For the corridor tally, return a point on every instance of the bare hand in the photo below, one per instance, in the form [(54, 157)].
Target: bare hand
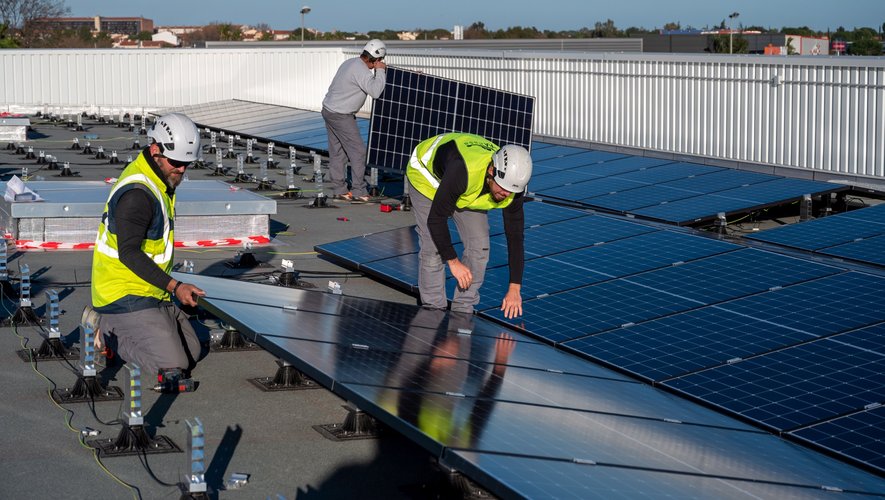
[(461, 273), (512, 303), (188, 294)]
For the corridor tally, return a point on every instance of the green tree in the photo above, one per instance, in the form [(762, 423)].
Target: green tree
[(144, 36), (383, 35), (476, 31), (799, 31), (606, 30), (229, 33), (736, 44), (866, 47), (7, 41), (19, 16)]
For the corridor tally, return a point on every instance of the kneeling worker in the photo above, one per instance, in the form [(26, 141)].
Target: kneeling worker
[(463, 176), (131, 285)]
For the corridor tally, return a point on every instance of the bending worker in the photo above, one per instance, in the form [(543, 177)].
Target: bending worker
[(463, 176), (131, 284), (356, 78)]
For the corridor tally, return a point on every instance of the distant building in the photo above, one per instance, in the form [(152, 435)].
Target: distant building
[(166, 37), (459, 32), (407, 35), (757, 43), (121, 25), (179, 30)]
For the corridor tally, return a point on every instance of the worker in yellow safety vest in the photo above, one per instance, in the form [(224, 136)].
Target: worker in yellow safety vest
[(463, 176)]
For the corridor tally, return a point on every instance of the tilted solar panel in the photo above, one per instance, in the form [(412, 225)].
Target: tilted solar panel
[(416, 106)]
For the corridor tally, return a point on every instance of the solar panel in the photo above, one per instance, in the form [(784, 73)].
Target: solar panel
[(593, 309), (740, 199), (668, 172), (871, 250), (820, 233), (273, 123), (799, 386), (857, 436), (584, 158), (643, 196), (684, 343), (589, 188), (415, 106), (731, 275), (557, 178), (372, 247), (819, 307), (557, 237), (611, 260), (470, 398), (556, 151), (875, 213), (719, 181)]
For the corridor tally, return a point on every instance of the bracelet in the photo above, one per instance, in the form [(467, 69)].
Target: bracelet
[(175, 288)]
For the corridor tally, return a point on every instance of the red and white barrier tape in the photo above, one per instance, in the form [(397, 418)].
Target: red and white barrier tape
[(224, 242)]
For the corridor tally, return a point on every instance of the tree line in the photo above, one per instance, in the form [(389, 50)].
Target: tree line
[(17, 29)]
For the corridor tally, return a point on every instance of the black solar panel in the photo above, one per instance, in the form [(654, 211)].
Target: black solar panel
[(819, 233), (871, 250), (416, 106)]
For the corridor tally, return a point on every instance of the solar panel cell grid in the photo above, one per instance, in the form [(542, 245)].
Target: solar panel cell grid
[(796, 387), (858, 436), (416, 106)]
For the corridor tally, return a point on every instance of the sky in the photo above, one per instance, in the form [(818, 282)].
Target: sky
[(557, 15)]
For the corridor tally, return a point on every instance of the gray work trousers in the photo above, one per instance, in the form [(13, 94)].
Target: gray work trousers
[(473, 228), (345, 143), (154, 338)]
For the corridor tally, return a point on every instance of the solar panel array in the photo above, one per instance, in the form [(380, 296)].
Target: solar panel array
[(690, 313), (659, 189), (858, 235), (416, 106), (517, 415), (284, 126)]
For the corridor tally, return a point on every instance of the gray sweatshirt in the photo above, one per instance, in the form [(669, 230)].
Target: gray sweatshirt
[(351, 84)]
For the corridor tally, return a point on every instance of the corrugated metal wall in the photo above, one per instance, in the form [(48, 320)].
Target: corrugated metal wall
[(821, 114)]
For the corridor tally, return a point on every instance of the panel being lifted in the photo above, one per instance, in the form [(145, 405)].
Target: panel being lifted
[(68, 217), (416, 106), (520, 417)]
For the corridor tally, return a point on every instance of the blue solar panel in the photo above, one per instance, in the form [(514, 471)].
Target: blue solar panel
[(599, 263), (732, 275), (820, 307), (719, 181), (668, 172), (576, 233), (415, 106), (584, 158), (744, 198), (686, 342), (858, 436), (593, 309), (871, 250), (401, 270), (623, 165), (819, 233), (536, 214), (874, 213), (588, 188), (374, 246), (798, 386), (557, 178), (555, 151), (633, 199)]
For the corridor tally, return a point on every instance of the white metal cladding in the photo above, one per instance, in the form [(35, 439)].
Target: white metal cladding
[(823, 114)]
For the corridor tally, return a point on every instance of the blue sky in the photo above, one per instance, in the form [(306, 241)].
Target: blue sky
[(365, 15)]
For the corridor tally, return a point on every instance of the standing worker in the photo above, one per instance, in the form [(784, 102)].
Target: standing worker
[(356, 78), (463, 176), (131, 285)]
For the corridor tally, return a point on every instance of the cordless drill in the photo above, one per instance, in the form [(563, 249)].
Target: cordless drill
[(173, 381)]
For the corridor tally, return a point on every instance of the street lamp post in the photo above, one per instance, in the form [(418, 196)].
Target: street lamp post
[(304, 10), (730, 32)]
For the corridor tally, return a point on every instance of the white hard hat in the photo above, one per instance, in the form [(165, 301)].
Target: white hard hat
[(375, 48), (177, 135), (513, 168)]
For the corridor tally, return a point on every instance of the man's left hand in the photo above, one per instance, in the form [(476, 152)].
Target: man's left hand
[(512, 304)]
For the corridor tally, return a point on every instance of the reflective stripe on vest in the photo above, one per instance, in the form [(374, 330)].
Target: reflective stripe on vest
[(101, 241)]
